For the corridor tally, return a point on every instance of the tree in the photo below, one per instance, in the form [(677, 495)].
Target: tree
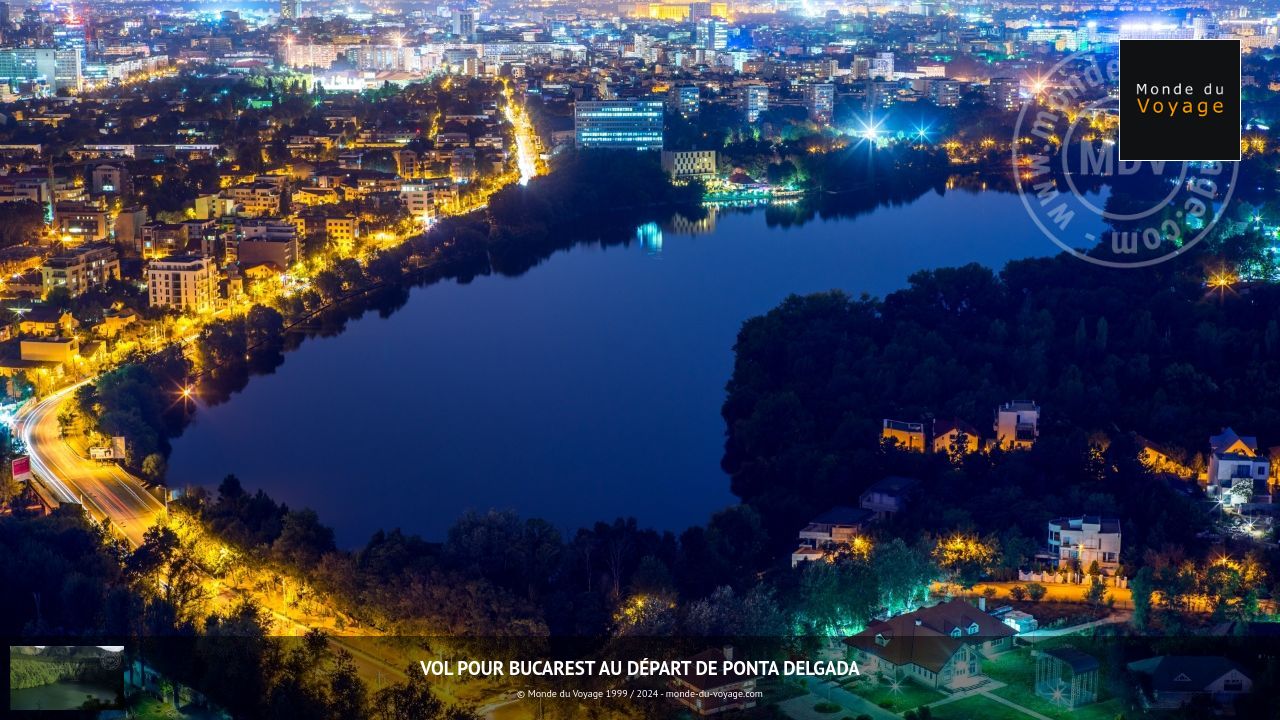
[(154, 467), (412, 699), (903, 575), (20, 222), (303, 540), (348, 695), (837, 598), (1141, 587), (1036, 591), (1097, 593), (9, 488), (966, 557), (1018, 592)]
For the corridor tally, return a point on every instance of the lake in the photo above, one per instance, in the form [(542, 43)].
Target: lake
[(586, 389), (59, 696)]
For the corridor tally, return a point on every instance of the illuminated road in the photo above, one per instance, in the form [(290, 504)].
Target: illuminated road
[(122, 503), (526, 140), (111, 495), (119, 500)]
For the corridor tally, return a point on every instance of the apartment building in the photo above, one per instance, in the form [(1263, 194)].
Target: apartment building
[(183, 282)]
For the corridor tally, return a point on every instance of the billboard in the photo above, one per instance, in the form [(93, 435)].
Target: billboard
[(21, 467)]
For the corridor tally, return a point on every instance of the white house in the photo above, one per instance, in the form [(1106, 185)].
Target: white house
[(1236, 469), (1017, 425), (1087, 539)]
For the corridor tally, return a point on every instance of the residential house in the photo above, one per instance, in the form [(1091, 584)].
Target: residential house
[(1017, 425), (714, 693), (47, 321), (49, 350), (955, 435), (114, 322), (888, 495), (1085, 540), (1171, 681), (940, 647), (1238, 473), (907, 435), (313, 196), (1160, 459), (837, 527)]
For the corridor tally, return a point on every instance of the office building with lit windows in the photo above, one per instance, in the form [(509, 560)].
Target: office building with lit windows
[(618, 124)]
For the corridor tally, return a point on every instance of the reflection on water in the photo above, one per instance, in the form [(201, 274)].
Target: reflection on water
[(650, 237), (588, 387)]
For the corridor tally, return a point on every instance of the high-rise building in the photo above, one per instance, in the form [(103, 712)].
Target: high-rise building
[(29, 66), (755, 100), (618, 124), (1003, 92), (820, 101), (69, 69), (684, 99), (944, 92), (700, 10), (290, 9), (464, 24), (882, 65), (712, 34)]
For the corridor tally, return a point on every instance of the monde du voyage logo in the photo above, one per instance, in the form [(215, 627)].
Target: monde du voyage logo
[(1180, 100), (1160, 115)]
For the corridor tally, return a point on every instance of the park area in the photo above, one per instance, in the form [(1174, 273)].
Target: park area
[(897, 696)]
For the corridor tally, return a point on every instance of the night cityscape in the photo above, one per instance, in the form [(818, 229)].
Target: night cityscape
[(765, 359)]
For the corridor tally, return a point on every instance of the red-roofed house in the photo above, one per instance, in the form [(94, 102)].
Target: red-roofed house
[(940, 647)]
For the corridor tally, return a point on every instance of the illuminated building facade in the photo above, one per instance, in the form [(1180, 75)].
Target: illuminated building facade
[(618, 124)]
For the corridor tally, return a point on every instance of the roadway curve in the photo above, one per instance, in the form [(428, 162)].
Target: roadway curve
[(111, 495), (122, 502)]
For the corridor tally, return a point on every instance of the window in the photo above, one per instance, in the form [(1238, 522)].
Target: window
[(955, 632), (973, 629), (1233, 685)]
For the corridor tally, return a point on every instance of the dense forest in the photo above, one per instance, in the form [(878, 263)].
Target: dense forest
[(1106, 354), (32, 667)]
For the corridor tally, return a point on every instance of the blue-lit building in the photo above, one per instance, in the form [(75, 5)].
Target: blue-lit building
[(684, 99), (618, 124)]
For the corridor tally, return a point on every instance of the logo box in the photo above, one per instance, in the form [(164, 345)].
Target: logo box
[(1180, 100)]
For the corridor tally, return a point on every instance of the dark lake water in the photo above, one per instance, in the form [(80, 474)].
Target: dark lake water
[(59, 696), (588, 388)]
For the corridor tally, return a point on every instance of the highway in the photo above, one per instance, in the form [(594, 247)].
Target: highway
[(122, 503), (111, 495)]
